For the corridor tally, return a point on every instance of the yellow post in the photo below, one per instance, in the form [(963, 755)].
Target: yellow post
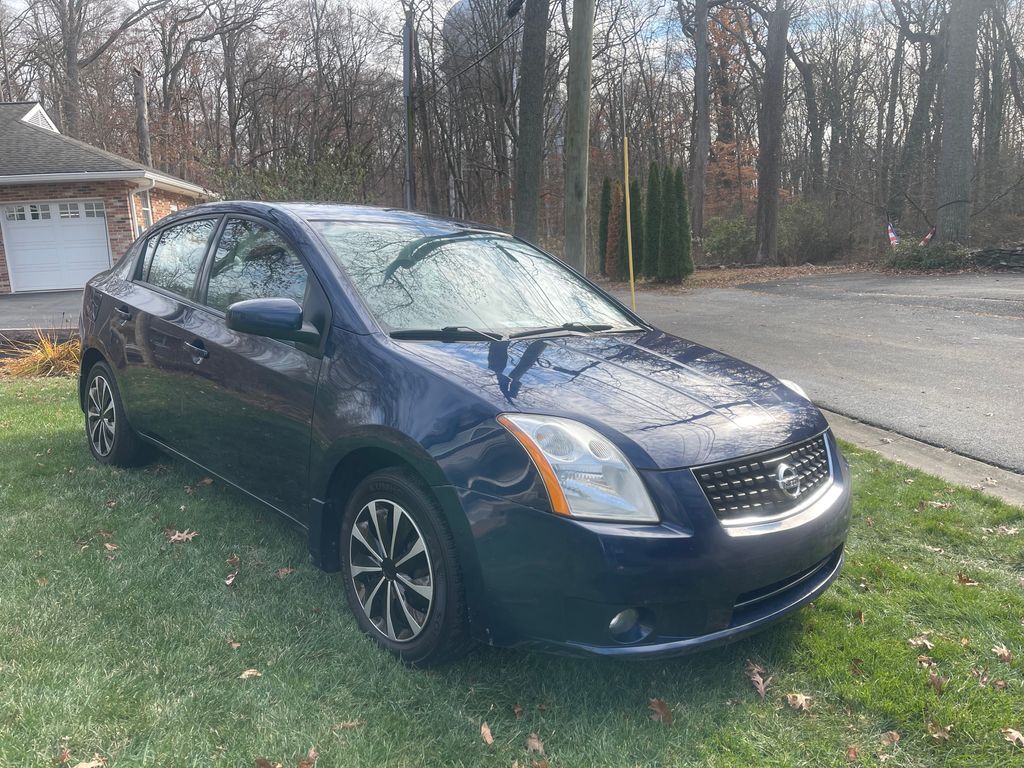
[(629, 224)]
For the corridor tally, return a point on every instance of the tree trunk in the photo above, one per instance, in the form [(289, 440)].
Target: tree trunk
[(530, 145), (769, 134), (142, 116), (72, 97), (701, 119), (956, 167), (577, 133)]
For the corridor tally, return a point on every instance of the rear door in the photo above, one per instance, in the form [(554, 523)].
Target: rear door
[(153, 319), (254, 400)]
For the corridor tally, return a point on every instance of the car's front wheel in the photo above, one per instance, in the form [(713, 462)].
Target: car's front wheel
[(402, 579), (111, 438)]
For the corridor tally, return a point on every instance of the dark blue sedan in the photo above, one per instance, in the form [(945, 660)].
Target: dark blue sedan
[(484, 443)]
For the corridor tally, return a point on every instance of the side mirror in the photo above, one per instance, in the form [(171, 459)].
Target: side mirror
[(273, 318)]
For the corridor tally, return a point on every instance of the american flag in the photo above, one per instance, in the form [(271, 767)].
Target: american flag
[(928, 238), (894, 239)]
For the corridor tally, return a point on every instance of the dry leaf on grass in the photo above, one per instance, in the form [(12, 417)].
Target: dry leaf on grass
[(233, 560), (250, 673), (534, 744), (542, 763), (799, 701), (110, 546), (262, 762), (1013, 736), (231, 578), (981, 675), (852, 753), (110, 504), (1002, 653), (967, 581), (234, 645), (485, 733), (205, 481), (517, 710), (939, 732), (98, 761), (755, 673), (63, 757), (925, 661), (999, 685), (282, 572), (660, 711), (348, 725), (176, 537), (921, 641), (936, 682), (889, 738), (310, 759), (42, 581)]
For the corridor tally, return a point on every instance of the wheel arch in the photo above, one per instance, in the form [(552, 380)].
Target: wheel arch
[(90, 357)]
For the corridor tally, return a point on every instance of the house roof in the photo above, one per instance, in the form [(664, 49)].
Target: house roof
[(32, 151)]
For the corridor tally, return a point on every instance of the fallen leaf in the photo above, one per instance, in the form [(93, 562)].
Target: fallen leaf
[(205, 481), (967, 581), (63, 757), (1013, 736), (964, 642), (936, 682), (249, 673), (1002, 653), (799, 701), (534, 744), (860, 615), (981, 675), (855, 667), (852, 753), (934, 505), (939, 732), (262, 762), (542, 763), (110, 504), (98, 761), (921, 641), (925, 661), (660, 711), (234, 645), (282, 572), (517, 710), (485, 733), (110, 546), (755, 672), (999, 685), (889, 738), (348, 725), (233, 560), (176, 537), (310, 759), (105, 534), (42, 581), (231, 578)]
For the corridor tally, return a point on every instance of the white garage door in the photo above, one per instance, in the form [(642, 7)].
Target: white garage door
[(55, 245)]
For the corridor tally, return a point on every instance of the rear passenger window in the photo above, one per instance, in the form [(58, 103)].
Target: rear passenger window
[(174, 261), (253, 262)]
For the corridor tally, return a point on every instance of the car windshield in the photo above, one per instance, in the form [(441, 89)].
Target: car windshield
[(417, 278)]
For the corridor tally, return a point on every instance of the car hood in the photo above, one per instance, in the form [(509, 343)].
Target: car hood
[(667, 402)]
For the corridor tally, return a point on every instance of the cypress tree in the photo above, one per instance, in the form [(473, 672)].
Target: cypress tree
[(668, 249), (615, 235), (602, 225), (685, 237), (623, 262), (636, 214), (652, 233)]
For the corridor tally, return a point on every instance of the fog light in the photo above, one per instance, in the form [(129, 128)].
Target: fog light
[(623, 622)]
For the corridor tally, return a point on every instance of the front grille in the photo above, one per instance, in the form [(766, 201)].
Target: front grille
[(750, 488)]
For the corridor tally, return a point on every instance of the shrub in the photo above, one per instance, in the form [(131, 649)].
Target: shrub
[(943, 257), (44, 356), (809, 233), (652, 224), (728, 240), (602, 223), (685, 235), (668, 250)]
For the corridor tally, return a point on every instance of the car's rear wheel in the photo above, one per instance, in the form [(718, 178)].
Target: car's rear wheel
[(111, 438), (401, 574)]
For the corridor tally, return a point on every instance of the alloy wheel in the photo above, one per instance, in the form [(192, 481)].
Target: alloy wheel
[(101, 416), (391, 570)]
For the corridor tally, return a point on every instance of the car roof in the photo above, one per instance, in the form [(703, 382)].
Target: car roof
[(343, 212)]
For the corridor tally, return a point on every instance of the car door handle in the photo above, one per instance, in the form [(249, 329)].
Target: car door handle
[(198, 350), (123, 314)]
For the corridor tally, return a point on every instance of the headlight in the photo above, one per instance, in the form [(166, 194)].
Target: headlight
[(586, 476), (795, 387)]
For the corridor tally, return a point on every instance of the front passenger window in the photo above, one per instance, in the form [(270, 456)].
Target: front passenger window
[(253, 262)]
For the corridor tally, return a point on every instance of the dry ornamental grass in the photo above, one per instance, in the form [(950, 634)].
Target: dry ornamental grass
[(43, 356)]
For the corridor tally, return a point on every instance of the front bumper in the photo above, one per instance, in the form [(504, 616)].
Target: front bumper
[(554, 582)]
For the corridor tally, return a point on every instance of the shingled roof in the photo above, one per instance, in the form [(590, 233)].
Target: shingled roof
[(30, 146)]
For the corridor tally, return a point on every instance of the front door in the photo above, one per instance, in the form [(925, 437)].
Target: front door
[(254, 396)]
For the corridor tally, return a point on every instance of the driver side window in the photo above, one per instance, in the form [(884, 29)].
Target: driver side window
[(252, 261)]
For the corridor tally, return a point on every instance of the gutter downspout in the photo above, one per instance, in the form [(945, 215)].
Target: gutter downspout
[(142, 185)]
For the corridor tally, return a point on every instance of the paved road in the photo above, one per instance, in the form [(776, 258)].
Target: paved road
[(52, 309), (940, 359)]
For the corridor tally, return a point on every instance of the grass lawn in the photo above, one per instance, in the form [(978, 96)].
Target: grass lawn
[(116, 642)]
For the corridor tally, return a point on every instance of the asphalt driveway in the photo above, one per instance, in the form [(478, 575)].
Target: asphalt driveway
[(50, 309), (940, 359)]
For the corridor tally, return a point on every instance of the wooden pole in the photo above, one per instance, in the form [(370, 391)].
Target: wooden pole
[(410, 113)]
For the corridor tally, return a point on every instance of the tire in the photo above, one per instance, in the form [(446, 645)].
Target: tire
[(110, 437), (383, 566)]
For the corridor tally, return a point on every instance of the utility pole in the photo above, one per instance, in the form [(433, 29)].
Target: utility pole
[(577, 133), (410, 111)]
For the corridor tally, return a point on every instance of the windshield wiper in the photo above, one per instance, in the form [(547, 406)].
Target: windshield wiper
[(581, 327), (448, 333)]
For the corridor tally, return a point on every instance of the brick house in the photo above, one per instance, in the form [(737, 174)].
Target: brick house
[(67, 209)]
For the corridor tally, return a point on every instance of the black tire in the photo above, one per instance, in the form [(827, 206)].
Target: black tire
[(113, 442), (388, 495)]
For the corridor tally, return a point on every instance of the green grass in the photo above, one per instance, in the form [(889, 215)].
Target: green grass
[(125, 653)]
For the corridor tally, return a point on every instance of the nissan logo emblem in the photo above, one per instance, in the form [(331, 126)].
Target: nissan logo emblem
[(788, 480)]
